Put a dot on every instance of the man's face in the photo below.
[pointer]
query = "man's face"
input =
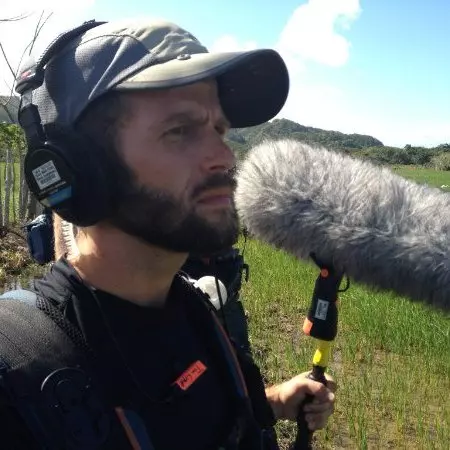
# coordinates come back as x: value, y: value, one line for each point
x: 181, y: 195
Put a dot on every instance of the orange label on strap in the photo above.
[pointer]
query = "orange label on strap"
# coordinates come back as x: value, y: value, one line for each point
x: 190, y: 375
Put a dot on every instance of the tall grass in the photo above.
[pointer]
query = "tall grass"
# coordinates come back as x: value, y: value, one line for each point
x: 431, y: 177
x: 391, y: 357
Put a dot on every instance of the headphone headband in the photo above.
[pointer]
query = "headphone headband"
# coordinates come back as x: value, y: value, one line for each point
x: 62, y: 170
x: 32, y: 76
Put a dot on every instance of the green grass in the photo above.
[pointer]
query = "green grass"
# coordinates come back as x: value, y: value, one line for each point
x: 432, y: 177
x: 391, y: 357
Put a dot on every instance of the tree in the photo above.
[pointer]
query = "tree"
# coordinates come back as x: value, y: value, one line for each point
x: 441, y: 161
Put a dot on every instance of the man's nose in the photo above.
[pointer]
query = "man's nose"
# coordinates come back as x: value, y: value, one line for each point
x: 219, y: 156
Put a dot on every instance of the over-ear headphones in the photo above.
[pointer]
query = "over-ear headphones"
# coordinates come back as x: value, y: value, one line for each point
x: 62, y: 169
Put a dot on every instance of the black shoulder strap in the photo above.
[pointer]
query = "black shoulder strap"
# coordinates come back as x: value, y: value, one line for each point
x: 26, y: 332
x: 42, y: 372
x: 243, y: 375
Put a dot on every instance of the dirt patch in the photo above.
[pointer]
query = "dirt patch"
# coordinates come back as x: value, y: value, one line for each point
x: 15, y: 261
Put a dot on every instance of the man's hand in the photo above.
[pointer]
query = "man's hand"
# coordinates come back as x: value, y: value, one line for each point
x: 286, y: 398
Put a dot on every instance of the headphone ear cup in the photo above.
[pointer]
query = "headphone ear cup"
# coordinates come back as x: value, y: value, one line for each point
x: 70, y: 175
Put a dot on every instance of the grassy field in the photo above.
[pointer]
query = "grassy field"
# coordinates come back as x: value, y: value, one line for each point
x: 422, y: 175
x: 391, y: 357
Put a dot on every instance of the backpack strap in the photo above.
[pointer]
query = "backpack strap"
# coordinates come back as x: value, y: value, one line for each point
x: 43, y: 372
x: 255, y: 429
x: 44, y: 376
x: 229, y: 267
x: 24, y: 295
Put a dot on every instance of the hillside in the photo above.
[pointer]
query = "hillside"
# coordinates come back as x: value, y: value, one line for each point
x: 359, y: 145
x: 282, y: 128
x: 242, y: 139
x: 8, y: 109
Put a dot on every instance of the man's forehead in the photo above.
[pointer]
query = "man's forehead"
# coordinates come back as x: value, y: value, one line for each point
x: 191, y: 111
x: 194, y: 90
x: 196, y: 101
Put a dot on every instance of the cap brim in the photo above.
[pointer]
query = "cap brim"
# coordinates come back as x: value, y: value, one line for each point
x: 253, y: 86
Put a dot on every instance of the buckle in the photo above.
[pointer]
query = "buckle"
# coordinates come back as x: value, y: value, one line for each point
x: 69, y: 394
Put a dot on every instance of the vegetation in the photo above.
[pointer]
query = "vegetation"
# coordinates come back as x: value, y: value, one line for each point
x: 424, y: 175
x: 358, y: 145
x: 12, y: 140
x: 16, y: 204
x: 8, y: 108
x: 441, y: 161
x: 391, y: 357
x: 282, y: 128
x: 16, y: 265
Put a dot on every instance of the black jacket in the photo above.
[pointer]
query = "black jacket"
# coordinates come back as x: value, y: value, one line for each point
x: 141, y: 353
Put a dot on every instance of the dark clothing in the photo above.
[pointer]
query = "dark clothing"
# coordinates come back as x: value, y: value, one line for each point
x: 229, y: 267
x: 141, y: 352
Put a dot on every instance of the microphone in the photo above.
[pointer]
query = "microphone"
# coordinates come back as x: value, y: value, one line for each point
x: 379, y: 228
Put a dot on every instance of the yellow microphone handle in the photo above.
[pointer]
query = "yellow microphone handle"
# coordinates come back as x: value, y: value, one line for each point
x: 322, y: 354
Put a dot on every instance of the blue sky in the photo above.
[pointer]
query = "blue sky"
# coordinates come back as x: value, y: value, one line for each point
x: 378, y: 67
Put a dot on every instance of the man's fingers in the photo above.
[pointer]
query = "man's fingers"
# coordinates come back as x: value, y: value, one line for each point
x: 331, y: 384
x: 292, y: 393
x: 318, y: 420
x: 319, y: 406
x: 320, y: 392
x: 316, y: 423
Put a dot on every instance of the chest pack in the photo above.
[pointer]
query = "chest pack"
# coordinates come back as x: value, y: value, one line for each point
x: 47, y: 373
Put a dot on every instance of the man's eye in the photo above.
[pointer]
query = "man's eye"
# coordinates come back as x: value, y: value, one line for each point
x: 180, y: 131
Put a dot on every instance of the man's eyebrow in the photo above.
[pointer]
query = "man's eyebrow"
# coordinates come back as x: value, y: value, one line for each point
x: 189, y: 117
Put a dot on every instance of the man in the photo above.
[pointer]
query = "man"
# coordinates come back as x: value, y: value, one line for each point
x: 226, y: 265
x: 143, y: 110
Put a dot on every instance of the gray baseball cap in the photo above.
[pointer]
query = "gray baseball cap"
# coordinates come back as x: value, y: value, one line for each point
x: 142, y: 54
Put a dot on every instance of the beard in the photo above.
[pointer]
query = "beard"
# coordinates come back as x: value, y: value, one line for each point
x: 158, y: 218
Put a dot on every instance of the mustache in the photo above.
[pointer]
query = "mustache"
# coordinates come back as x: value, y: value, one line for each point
x: 217, y: 180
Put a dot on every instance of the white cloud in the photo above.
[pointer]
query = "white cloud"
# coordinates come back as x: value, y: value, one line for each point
x: 311, y: 33
x: 229, y: 43
x: 15, y: 36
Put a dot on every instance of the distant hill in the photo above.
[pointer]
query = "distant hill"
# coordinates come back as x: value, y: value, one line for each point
x: 284, y: 128
x: 8, y: 109
x: 358, y: 145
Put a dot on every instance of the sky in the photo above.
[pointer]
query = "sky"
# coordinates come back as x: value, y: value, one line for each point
x: 376, y: 67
